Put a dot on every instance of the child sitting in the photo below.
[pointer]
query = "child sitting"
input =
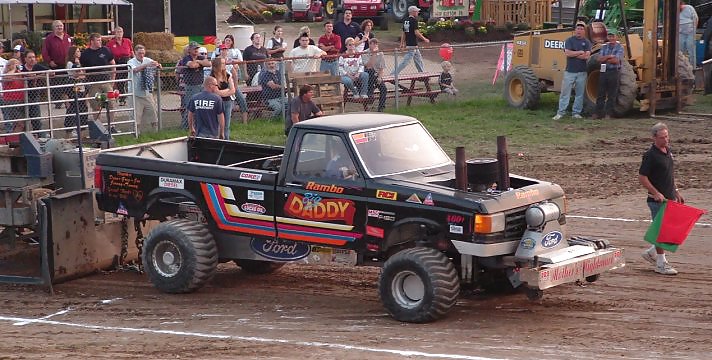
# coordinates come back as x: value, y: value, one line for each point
x: 446, y: 79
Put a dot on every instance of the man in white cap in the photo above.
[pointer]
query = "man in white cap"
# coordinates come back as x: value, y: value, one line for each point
x: 409, y: 40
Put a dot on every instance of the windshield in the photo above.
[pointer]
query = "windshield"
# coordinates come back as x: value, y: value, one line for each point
x: 398, y: 149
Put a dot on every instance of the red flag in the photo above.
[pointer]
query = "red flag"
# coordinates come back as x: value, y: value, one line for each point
x: 672, y: 224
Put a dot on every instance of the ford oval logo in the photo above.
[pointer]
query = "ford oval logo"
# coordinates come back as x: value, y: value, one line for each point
x: 280, y: 250
x: 551, y: 239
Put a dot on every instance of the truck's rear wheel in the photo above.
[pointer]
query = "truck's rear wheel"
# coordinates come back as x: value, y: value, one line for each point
x: 180, y: 256
x: 627, y: 88
x: 521, y: 88
x: 418, y: 285
x: 258, y: 266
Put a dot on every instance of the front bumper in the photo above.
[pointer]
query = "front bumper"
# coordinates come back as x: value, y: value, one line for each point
x: 576, y: 269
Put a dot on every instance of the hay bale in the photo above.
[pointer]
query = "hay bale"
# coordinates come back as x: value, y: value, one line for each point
x: 164, y: 56
x: 155, y: 40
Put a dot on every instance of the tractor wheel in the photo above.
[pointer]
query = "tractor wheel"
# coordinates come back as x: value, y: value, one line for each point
x: 330, y: 8
x: 418, y: 285
x: 180, y: 256
x: 400, y: 9
x: 258, y: 267
x: 383, y: 22
x: 521, y: 88
x: 627, y: 88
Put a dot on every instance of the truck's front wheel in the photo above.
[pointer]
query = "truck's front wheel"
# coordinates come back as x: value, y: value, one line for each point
x: 180, y: 256
x: 418, y: 285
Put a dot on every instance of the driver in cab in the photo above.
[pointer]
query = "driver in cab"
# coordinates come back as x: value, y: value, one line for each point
x: 340, y: 165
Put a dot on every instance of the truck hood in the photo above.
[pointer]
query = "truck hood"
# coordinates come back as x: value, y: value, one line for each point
x: 440, y: 185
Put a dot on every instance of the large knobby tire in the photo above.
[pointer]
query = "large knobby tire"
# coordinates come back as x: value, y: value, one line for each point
x: 258, y: 266
x: 400, y: 9
x: 521, y: 88
x: 627, y: 88
x: 180, y: 256
x: 418, y: 285
x: 329, y: 7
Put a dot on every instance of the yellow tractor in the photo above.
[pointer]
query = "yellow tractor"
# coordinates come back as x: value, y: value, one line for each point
x: 653, y: 73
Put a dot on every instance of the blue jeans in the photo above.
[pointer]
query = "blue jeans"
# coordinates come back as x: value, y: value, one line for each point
x: 413, y: 53
x: 277, y: 106
x: 576, y: 81
x: 190, y: 90
x: 227, y: 110
x: 241, y: 101
x: 331, y: 66
x: 363, y: 86
x: 654, y: 207
x: 687, y: 46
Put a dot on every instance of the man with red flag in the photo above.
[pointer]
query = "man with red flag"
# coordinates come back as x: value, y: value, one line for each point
x: 656, y: 176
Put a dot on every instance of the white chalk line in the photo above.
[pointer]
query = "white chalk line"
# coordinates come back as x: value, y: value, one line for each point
x: 624, y: 219
x: 243, y: 338
x: 61, y: 312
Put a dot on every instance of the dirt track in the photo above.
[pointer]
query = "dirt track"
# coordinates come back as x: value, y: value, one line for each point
x: 307, y: 311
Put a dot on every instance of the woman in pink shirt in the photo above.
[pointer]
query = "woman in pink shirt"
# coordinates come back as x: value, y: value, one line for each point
x: 122, y: 49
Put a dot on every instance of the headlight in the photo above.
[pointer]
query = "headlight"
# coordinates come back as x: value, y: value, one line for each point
x: 485, y: 223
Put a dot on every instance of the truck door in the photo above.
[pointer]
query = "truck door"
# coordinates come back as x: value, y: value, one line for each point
x: 321, y: 197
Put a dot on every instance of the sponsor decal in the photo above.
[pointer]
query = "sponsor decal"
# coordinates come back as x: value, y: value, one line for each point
x: 121, y: 210
x: 281, y: 250
x: 521, y: 43
x: 374, y: 231
x: 456, y: 229
x: 258, y: 195
x: 553, y: 44
x: 388, y: 195
x: 414, y: 199
x: 382, y: 215
x: 527, y: 243
x: 373, y: 213
x: 325, y: 188
x: 250, y: 176
x: 171, y: 183
x: 551, y: 239
x: 253, y: 208
x: 324, y: 210
x: 429, y: 200
x: 526, y: 194
x: 456, y: 219
x: 363, y: 137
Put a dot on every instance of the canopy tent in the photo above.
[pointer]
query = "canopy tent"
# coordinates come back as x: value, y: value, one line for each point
x: 10, y: 4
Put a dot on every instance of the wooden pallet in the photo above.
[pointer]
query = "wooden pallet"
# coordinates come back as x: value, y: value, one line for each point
x: 327, y: 90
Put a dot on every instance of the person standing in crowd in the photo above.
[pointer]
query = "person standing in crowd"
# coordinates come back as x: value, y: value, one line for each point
x: 365, y: 35
x: 302, y: 108
x: 191, y: 68
x: 374, y: 65
x: 352, y: 71
x: 409, y: 40
x: 577, y: 50
x: 688, y: 28
x: 98, y: 55
x: 18, y: 52
x: 276, y: 46
x: 77, y: 76
x: 226, y: 91
x: 122, y: 49
x: 271, y: 82
x: 347, y: 28
x: 36, y: 86
x: 143, y: 70
x: 331, y: 44
x: 206, y: 116
x: 656, y: 174
x: 302, y: 30
x: 54, y: 54
x: 255, y: 52
x: 309, y: 56
x: 203, y: 52
x: 611, y: 57
x: 233, y: 70
x: 13, y: 98
x: 445, y: 80
x: 234, y: 56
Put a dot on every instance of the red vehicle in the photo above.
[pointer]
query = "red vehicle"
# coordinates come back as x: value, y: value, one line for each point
x: 301, y: 10
x: 362, y: 9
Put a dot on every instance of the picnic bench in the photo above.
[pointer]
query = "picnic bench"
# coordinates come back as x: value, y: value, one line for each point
x: 424, y: 84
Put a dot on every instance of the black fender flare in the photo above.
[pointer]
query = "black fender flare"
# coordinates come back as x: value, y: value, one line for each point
x: 433, y: 228
x: 152, y: 204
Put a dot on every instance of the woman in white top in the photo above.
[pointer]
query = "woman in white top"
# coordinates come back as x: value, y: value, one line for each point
x: 352, y: 71
x: 233, y: 54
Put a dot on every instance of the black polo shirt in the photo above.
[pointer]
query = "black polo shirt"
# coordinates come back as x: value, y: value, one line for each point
x: 658, y: 167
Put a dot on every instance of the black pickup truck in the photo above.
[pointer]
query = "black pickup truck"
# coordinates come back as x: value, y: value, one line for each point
x: 378, y: 185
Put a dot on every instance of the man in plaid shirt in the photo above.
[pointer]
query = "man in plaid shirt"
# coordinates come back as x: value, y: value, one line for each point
x: 611, y: 59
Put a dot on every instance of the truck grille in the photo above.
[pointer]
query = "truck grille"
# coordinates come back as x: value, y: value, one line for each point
x: 515, y: 224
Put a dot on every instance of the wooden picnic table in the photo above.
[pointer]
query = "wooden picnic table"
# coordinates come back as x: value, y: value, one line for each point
x: 408, y: 85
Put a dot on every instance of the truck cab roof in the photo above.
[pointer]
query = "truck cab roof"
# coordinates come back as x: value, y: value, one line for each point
x: 354, y: 121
